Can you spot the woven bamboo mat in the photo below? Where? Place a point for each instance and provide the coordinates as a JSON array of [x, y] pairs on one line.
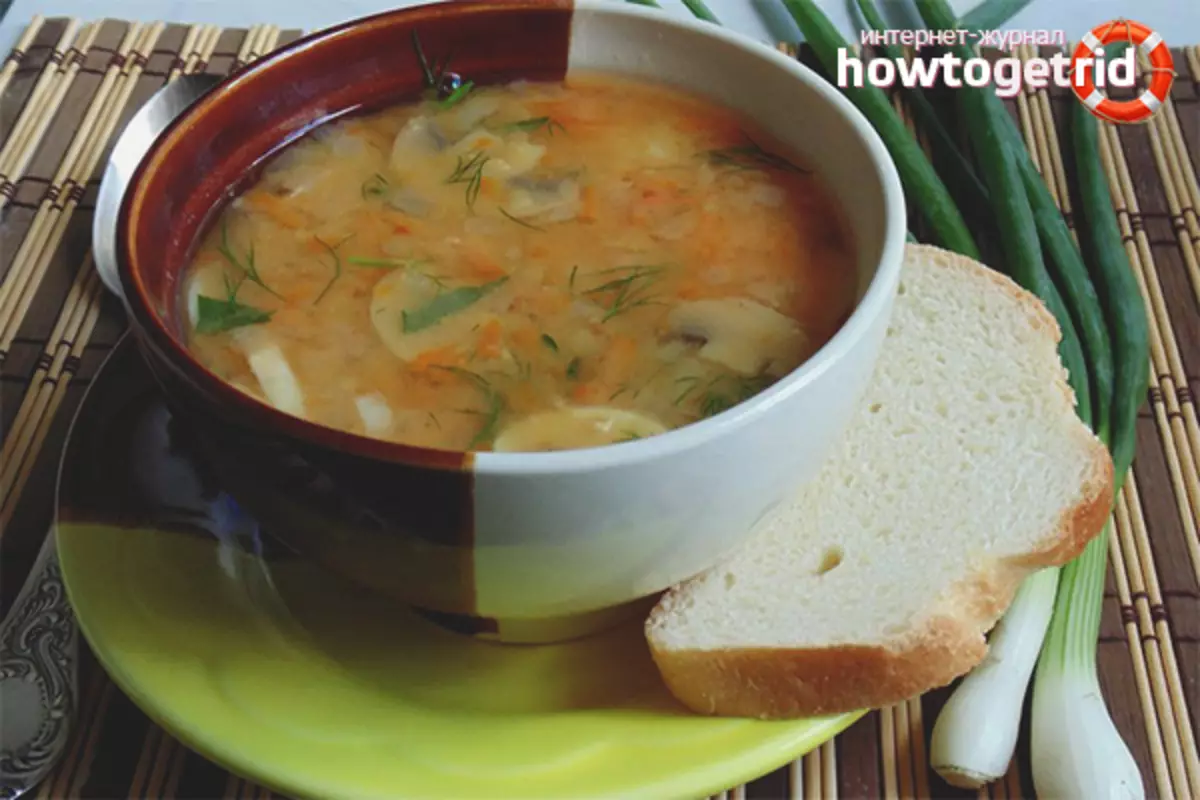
[[69, 86]]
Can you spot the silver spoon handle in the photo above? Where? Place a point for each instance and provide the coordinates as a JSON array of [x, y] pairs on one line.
[[38, 655]]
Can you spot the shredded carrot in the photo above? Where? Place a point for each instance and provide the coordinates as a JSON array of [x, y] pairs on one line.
[[445, 356], [588, 393], [587, 204], [483, 267], [276, 208], [491, 340], [398, 222]]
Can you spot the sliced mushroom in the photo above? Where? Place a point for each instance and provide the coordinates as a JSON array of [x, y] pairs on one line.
[[744, 336], [508, 157], [468, 114], [408, 201], [571, 428], [545, 199], [404, 293], [419, 137], [272, 370]]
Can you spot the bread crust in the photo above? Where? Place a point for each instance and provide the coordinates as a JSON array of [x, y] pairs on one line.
[[777, 682]]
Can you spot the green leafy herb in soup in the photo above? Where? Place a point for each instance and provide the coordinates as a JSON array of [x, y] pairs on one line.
[[522, 267]]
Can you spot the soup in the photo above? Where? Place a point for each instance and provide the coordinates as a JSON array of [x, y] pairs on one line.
[[530, 266]]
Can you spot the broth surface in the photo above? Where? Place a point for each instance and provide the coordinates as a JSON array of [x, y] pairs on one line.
[[522, 267]]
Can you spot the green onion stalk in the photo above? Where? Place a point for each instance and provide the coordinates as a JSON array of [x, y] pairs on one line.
[[1054, 619]]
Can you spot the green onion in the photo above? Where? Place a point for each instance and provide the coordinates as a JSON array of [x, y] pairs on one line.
[[1076, 748], [701, 11], [991, 14], [926, 190], [1118, 288], [1018, 229], [961, 179]]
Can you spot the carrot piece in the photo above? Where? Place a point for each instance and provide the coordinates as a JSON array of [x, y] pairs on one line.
[[587, 204], [483, 267], [491, 340], [588, 393], [445, 356], [276, 208]]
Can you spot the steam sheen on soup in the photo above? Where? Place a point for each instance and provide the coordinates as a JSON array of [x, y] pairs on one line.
[[522, 267]]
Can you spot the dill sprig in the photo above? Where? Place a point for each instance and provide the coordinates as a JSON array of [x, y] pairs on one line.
[[494, 403], [431, 76], [470, 172], [725, 391], [521, 222], [247, 266], [534, 124], [628, 291], [750, 156], [337, 265]]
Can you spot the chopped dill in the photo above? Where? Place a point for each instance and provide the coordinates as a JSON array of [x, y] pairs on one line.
[[214, 316], [622, 389], [470, 172], [436, 423], [521, 222], [690, 382], [724, 392], [431, 77], [548, 340], [533, 124], [374, 186], [571, 280], [573, 369], [458, 95], [247, 266], [426, 73], [629, 436], [378, 263], [493, 400], [750, 156], [337, 265], [491, 421], [628, 291]]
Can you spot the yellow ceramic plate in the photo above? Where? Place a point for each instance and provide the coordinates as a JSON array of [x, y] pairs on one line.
[[288, 676]]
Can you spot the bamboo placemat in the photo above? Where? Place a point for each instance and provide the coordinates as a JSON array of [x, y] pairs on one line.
[[69, 86]]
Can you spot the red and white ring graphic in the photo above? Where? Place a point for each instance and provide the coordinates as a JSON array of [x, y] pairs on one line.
[[1150, 44]]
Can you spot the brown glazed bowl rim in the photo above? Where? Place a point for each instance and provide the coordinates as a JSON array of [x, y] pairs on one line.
[[264, 416]]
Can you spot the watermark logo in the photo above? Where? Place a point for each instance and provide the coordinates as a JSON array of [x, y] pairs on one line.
[[1087, 72], [1086, 67]]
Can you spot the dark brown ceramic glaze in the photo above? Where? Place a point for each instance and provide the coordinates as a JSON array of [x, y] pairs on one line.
[[394, 517], [130, 463]]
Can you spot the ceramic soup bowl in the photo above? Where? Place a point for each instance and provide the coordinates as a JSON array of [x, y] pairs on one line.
[[514, 546]]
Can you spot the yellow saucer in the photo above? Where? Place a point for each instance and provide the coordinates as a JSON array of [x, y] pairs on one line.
[[292, 678]]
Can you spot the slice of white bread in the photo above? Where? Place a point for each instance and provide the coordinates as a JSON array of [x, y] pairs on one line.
[[965, 470]]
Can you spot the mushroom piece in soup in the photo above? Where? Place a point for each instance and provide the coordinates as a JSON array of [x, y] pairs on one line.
[[532, 266]]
